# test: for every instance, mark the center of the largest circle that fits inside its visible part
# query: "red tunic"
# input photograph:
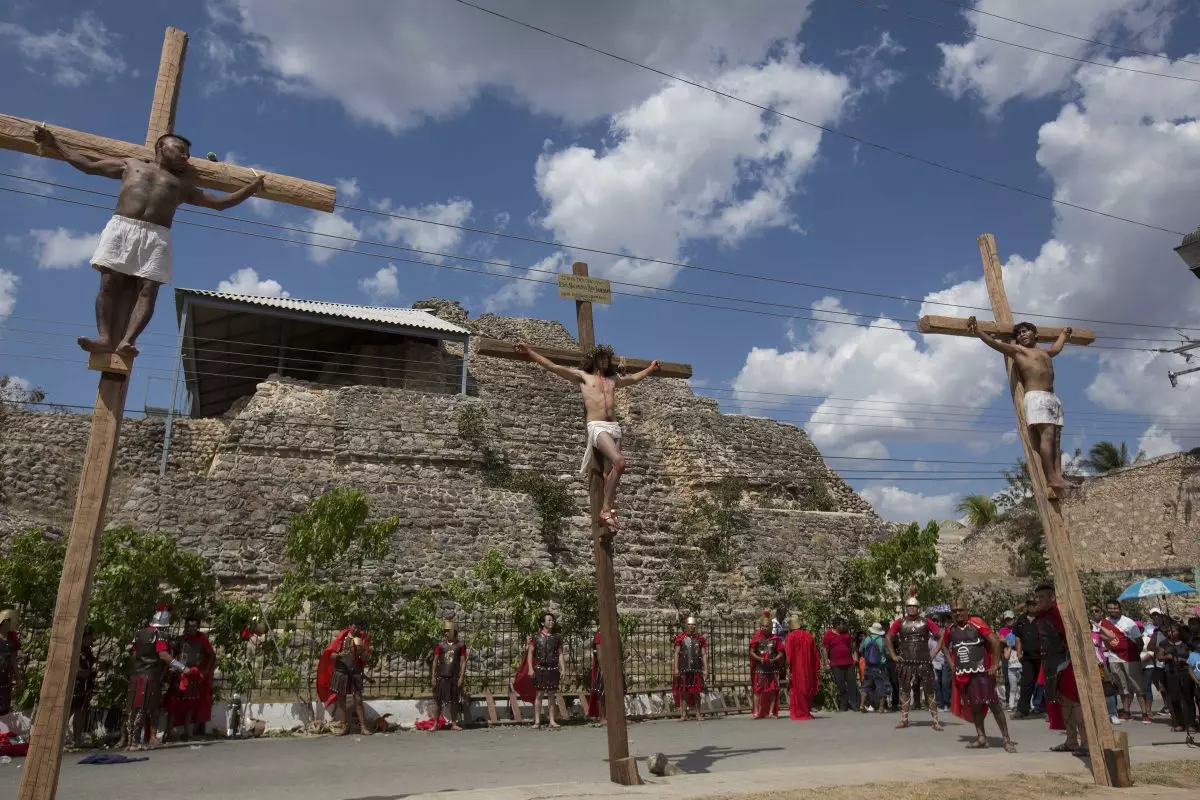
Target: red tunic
(688, 683)
(804, 663)
(192, 691)
(764, 676)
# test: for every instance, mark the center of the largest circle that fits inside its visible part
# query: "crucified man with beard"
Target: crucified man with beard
(597, 379)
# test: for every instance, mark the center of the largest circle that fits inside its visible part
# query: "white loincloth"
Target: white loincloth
(137, 248)
(594, 429)
(1043, 408)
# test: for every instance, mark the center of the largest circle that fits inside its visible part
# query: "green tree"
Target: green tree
(906, 559)
(1105, 457)
(979, 510)
(18, 393)
(1020, 487)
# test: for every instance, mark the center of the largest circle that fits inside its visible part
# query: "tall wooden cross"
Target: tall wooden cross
(621, 767)
(39, 778)
(1108, 752)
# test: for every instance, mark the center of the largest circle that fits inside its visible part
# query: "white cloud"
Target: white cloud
(347, 188)
(520, 292)
(61, 248)
(323, 226)
(246, 281)
(8, 293)
(900, 505)
(423, 235)
(997, 73)
(88, 50)
(382, 285)
(1156, 442)
(399, 64)
(685, 165)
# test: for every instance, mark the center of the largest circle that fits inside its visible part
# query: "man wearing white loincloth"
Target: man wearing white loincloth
(1043, 409)
(134, 254)
(597, 378)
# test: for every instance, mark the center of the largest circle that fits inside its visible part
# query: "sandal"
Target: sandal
(937, 726)
(1010, 746)
(902, 724)
(1064, 748)
(978, 744)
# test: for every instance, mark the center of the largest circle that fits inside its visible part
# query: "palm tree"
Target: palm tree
(1105, 457)
(979, 509)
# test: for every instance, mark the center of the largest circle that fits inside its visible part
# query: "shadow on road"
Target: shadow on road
(701, 759)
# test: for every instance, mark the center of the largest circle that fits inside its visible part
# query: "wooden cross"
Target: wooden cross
(1108, 752)
(622, 768)
(39, 778)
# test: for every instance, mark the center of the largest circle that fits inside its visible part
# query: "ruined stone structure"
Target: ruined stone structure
(232, 482)
(1141, 520)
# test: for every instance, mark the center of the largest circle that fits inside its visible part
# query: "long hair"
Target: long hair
(588, 364)
(1017, 328)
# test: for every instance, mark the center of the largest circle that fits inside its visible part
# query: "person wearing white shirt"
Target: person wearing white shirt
(1122, 640)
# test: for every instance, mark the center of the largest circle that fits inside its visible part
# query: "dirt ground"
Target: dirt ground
(1180, 775)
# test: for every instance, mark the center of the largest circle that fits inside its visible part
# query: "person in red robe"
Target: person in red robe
(1058, 672)
(190, 696)
(804, 665)
(974, 652)
(690, 659)
(340, 673)
(595, 709)
(10, 673)
(766, 653)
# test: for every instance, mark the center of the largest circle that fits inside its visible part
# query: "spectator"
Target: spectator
(1026, 630)
(1122, 640)
(1153, 633)
(839, 657)
(943, 676)
(1096, 614)
(1007, 620)
(779, 623)
(1173, 652)
(1194, 671)
(1013, 669)
(875, 685)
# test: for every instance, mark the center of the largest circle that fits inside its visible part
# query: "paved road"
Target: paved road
(398, 765)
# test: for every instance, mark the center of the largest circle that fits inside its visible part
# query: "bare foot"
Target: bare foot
(364, 732)
(553, 726)
(1010, 746)
(979, 744)
(537, 726)
(937, 726)
(902, 724)
(608, 518)
(126, 350)
(94, 345)
(456, 727)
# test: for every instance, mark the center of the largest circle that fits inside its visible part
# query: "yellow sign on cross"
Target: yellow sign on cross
(583, 289)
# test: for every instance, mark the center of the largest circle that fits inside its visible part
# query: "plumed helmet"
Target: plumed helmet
(162, 617)
(911, 601)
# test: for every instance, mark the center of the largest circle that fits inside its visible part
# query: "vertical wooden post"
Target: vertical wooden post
(621, 768)
(1101, 741)
(166, 88)
(39, 778)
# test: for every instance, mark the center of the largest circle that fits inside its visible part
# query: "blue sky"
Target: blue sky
(439, 111)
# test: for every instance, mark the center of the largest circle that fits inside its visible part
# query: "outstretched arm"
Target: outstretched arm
(1060, 342)
(573, 375)
(105, 167)
(991, 341)
(628, 380)
(220, 202)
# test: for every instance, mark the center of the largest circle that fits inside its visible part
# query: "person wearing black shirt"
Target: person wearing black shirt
(1026, 630)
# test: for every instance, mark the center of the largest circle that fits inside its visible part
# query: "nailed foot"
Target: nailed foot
(94, 345)
(608, 518)
(126, 350)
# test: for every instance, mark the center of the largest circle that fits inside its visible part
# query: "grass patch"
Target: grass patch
(1177, 774)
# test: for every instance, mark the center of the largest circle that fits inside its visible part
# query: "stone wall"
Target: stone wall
(232, 483)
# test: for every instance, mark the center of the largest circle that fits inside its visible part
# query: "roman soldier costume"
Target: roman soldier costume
(546, 671)
(449, 657)
(766, 651)
(689, 675)
(10, 646)
(340, 674)
(911, 635)
(143, 701)
(971, 660)
(191, 693)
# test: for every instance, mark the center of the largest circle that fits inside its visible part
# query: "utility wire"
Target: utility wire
(729, 273)
(978, 35)
(1109, 45)
(851, 137)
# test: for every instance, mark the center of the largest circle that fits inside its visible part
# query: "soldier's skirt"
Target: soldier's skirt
(343, 682)
(546, 679)
(446, 689)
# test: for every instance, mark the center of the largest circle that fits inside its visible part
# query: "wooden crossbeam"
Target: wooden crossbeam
(499, 348)
(957, 326)
(16, 133)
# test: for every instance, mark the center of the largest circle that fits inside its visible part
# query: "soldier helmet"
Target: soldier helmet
(162, 617)
(912, 601)
(690, 621)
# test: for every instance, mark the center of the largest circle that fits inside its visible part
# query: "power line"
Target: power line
(1110, 45)
(978, 35)
(851, 137)
(729, 273)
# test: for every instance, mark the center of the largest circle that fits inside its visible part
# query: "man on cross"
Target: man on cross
(134, 254)
(1043, 409)
(597, 378)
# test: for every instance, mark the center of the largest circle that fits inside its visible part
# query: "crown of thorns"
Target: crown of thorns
(601, 350)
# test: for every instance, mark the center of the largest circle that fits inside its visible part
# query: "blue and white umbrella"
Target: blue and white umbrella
(1156, 587)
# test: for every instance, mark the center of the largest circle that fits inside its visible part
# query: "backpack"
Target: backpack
(873, 651)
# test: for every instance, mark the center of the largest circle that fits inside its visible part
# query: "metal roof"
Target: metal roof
(385, 315)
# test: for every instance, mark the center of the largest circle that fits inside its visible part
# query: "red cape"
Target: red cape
(201, 708)
(325, 666)
(522, 683)
(957, 708)
(805, 665)
(593, 709)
